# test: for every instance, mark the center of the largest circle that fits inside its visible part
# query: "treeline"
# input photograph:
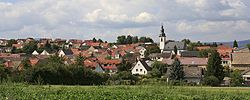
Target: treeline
(53, 71)
(132, 39)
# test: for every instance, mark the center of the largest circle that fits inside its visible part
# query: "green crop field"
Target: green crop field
(140, 92)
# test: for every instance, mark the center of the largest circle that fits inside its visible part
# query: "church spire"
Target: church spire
(162, 32)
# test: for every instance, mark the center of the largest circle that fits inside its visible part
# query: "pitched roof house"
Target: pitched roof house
(141, 68)
(246, 76)
(192, 74)
(66, 52)
(240, 61)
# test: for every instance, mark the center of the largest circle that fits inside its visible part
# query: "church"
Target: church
(167, 46)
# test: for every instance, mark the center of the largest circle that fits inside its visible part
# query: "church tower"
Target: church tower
(162, 39)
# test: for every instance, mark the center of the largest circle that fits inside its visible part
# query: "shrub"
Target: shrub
(211, 81)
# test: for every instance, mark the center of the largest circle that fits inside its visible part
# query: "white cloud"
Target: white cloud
(88, 18)
(143, 17)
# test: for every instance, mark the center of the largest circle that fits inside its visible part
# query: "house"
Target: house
(35, 53)
(17, 46)
(142, 51)
(240, 61)
(5, 49)
(3, 42)
(189, 61)
(65, 52)
(192, 74)
(141, 68)
(245, 49)
(160, 56)
(109, 65)
(45, 53)
(246, 76)
(225, 54)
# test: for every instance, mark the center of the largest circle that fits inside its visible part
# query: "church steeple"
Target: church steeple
(162, 32)
(162, 38)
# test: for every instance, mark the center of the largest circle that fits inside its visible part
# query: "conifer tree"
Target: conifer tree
(176, 71)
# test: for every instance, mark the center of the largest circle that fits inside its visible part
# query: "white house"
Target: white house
(45, 53)
(142, 52)
(62, 53)
(35, 53)
(141, 68)
(246, 76)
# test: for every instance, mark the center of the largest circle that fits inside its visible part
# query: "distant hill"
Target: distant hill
(242, 43)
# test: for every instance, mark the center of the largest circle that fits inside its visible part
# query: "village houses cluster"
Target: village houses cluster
(105, 57)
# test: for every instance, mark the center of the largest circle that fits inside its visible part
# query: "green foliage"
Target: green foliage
(132, 39)
(30, 47)
(79, 60)
(211, 81)
(129, 39)
(235, 45)
(176, 71)
(175, 50)
(236, 78)
(186, 41)
(53, 71)
(204, 53)
(124, 66)
(108, 57)
(248, 45)
(94, 40)
(142, 92)
(214, 67)
(158, 69)
(135, 39)
(152, 49)
(100, 41)
(10, 42)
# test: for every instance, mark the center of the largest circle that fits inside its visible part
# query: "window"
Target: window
(136, 70)
(140, 70)
(144, 72)
(161, 40)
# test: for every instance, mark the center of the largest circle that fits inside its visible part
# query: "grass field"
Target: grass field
(143, 92)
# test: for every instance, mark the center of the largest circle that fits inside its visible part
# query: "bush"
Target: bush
(211, 81)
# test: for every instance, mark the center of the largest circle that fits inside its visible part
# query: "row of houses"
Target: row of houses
(194, 66)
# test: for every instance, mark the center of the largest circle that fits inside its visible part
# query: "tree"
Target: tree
(236, 78)
(135, 39)
(10, 42)
(124, 66)
(204, 53)
(100, 41)
(214, 67)
(235, 45)
(248, 45)
(175, 50)
(176, 71)
(121, 39)
(211, 80)
(186, 41)
(94, 40)
(158, 69)
(129, 39)
(30, 47)
(79, 60)
(152, 49)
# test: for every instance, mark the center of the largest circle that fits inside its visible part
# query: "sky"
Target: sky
(197, 20)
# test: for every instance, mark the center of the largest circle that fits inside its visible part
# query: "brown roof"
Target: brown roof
(241, 58)
(192, 72)
(188, 61)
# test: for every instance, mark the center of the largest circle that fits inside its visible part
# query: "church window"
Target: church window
(161, 40)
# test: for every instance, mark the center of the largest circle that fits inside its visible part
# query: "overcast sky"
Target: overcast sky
(203, 20)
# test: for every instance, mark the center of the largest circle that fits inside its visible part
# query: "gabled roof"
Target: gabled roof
(145, 65)
(170, 45)
(189, 54)
(246, 71)
(68, 52)
(241, 58)
(164, 55)
(192, 72)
